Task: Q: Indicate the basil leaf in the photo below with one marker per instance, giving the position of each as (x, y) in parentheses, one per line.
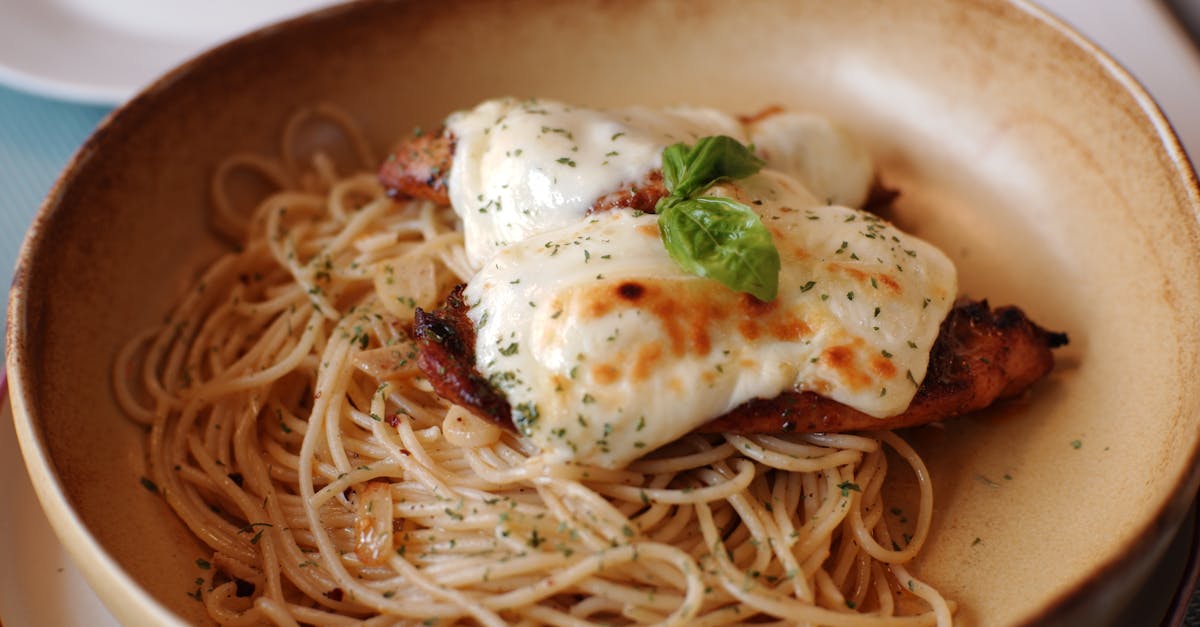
(688, 170)
(724, 240)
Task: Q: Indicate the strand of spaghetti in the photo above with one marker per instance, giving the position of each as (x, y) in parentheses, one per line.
(863, 515)
(361, 219)
(348, 479)
(283, 247)
(163, 371)
(325, 546)
(202, 521)
(124, 363)
(402, 456)
(226, 219)
(488, 466)
(533, 563)
(275, 611)
(925, 513)
(332, 383)
(215, 601)
(652, 514)
(939, 606)
(783, 607)
(751, 449)
(883, 592)
(412, 443)
(864, 443)
(663, 601)
(550, 616)
(703, 457)
(596, 521)
(676, 527)
(479, 611)
(343, 194)
(758, 526)
(249, 507)
(264, 376)
(269, 343)
(605, 559)
(781, 540)
(256, 481)
(339, 117)
(816, 531)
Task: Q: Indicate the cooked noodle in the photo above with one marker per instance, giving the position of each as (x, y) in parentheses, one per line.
(291, 431)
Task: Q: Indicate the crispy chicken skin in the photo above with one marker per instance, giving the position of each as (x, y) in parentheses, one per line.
(418, 167)
(446, 343)
(982, 355)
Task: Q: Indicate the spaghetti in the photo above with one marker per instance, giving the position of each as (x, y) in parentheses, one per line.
(291, 431)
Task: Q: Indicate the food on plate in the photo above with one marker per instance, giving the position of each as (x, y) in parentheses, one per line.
(981, 355)
(516, 168)
(579, 322)
(603, 386)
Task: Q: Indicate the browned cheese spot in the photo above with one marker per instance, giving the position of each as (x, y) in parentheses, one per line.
(645, 360)
(605, 374)
(841, 360)
(778, 323)
(630, 291)
(749, 329)
(883, 367)
(685, 316)
(855, 273)
(788, 328)
(887, 281)
(649, 230)
(675, 385)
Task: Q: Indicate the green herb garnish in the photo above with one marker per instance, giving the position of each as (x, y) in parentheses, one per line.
(710, 236)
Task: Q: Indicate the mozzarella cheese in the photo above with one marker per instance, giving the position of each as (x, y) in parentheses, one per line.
(606, 349)
(525, 167)
(818, 153)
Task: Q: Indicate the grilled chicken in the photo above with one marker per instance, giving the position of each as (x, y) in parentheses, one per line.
(982, 355)
(418, 167)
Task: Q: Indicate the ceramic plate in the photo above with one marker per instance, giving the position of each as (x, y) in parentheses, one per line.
(1032, 159)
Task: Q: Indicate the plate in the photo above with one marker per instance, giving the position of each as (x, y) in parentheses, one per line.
(930, 112)
(116, 47)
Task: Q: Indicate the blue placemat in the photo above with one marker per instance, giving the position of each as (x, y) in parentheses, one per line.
(37, 138)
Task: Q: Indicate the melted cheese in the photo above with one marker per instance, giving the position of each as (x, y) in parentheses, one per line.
(606, 349)
(821, 155)
(525, 167)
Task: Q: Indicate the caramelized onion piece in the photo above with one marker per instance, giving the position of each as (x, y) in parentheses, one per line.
(373, 523)
(464, 429)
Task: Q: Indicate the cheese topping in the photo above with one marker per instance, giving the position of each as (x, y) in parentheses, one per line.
(606, 349)
(525, 167)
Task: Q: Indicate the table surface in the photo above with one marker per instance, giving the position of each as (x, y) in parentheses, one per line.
(39, 135)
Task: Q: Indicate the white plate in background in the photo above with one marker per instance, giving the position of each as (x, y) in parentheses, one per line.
(104, 51)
